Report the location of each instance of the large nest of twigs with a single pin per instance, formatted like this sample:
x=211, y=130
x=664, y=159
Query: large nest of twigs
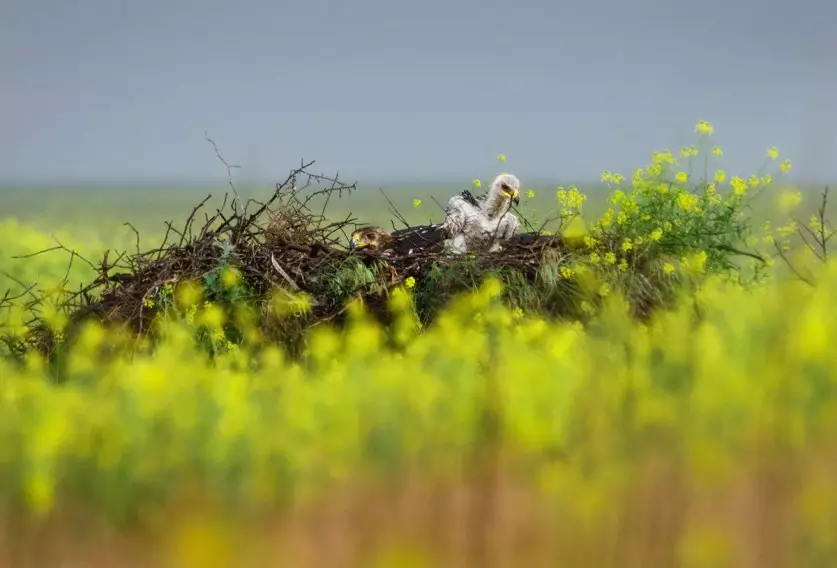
x=290, y=245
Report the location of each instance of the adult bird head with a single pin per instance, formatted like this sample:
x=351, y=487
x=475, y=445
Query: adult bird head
x=508, y=187
x=370, y=237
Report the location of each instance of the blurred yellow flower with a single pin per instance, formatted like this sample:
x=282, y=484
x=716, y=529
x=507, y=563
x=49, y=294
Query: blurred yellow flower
x=720, y=176
x=789, y=200
x=716, y=151
x=530, y=193
x=681, y=177
x=416, y=202
x=501, y=158
x=410, y=282
x=230, y=277
x=785, y=166
x=773, y=153
x=704, y=127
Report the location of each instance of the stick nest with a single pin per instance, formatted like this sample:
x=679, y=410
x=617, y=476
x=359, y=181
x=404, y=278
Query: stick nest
x=289, y=245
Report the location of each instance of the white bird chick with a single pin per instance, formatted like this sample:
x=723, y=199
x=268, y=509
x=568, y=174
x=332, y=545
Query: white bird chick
x=483, y=222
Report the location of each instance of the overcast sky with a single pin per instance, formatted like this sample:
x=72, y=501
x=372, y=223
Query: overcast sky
x=388, y=88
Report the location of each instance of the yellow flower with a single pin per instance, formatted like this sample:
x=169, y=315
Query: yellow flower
x=477, y=183
x=788, y=229
x=595, y=258
x=231, y=277
x=607, y=176
x=607, y=218
x=590, y=242
x=627, y=245
x=660, y=158
x=416, y=202
x=530, y=193
x=501, y=157
x=686, y=201
x=685, y=152
x=716, y=151
x=754, y=181
x=790, y=200
x=656, y=235
x=623, y=265
x=785, y=166
x=604, y=290
x=567, y=272
x=720, y=176
x=610, y=258
x=668, y=268
x=695, y=263
x=739, y=186
x=704, y=127
x=681, y=177
x=410, y=282
x=773, y=153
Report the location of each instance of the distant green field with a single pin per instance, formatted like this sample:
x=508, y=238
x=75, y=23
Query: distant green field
x=104, y=211
x=101, y=213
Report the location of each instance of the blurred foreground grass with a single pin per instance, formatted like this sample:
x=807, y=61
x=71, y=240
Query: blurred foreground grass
x=491, y=440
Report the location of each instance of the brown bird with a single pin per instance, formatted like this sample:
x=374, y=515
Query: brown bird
x=422, y=238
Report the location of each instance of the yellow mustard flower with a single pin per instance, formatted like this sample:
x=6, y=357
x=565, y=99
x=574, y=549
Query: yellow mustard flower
x=716, y=151
x=410, y=282
x=739, y=186
x=720, y=176
x=501, y=158
x=773, y=153
x=416, y=202
x=681, y=177
x=704, y=127
x=785, y=166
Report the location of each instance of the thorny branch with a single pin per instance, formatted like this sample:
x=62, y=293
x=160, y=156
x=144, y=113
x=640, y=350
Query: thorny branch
x=238, y=207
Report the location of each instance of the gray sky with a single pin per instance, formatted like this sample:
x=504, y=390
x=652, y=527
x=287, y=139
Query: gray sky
x=388, y=89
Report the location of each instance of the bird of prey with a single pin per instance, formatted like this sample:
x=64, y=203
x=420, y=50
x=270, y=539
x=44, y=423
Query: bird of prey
x=423, y=238
x=482, y=222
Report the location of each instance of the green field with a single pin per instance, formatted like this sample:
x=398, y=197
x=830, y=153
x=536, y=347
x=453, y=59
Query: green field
x=494, y=436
